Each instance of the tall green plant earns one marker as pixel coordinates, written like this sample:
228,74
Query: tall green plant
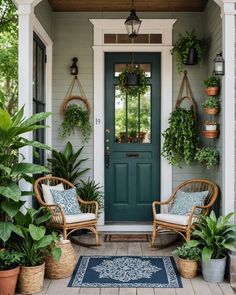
67,164
214,236
12,165
180,138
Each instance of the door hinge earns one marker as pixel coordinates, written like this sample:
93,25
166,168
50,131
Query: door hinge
45,58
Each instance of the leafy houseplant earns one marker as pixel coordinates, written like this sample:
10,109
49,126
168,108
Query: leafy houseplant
188,50
187,260
67,164
208,156
211,105
91,191
215,237
180,138
133,90
76,117
212,84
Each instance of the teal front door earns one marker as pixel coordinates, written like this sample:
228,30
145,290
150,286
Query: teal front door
132,141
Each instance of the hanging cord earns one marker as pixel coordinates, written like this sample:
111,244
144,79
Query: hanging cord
71,87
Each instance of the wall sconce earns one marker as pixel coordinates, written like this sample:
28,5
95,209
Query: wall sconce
74,68
219,65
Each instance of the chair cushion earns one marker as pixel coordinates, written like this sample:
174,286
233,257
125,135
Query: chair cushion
68,200
79,217
185,201
47,195
173,218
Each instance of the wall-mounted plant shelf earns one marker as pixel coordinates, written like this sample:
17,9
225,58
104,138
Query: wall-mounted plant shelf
211,133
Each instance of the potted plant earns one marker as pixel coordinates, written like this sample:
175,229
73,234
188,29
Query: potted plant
67,163
211,125
208,156
188,259
211,105
180,138
212,84
215,237
133,81
35,244
9,271
188,50
76,117
211,129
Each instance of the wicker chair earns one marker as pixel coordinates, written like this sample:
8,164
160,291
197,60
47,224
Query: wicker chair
58,219
182,224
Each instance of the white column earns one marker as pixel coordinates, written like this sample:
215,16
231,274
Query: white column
25,71
228,102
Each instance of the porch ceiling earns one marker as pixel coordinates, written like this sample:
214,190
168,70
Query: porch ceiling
124,5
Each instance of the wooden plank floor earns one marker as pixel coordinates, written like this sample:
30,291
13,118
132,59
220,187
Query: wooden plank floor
196,286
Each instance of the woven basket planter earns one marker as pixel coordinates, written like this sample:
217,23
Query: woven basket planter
187,268
31,278
64,268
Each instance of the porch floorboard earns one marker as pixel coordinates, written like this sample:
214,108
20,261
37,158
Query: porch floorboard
196,286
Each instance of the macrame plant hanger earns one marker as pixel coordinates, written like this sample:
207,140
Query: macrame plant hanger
69,97
185,85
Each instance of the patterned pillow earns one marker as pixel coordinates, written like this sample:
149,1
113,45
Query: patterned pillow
68,200
185,201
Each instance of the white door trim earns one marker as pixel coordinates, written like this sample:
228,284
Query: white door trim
102,26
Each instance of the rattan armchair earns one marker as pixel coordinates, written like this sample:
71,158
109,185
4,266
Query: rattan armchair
182,224
59,219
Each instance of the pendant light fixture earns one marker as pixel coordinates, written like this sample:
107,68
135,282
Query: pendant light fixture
132,23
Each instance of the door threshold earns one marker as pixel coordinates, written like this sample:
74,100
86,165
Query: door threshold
126,227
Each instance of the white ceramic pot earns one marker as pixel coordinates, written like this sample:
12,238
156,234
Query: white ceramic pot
211,127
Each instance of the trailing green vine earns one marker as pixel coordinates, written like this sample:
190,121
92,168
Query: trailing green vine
135,90
180,138
76,117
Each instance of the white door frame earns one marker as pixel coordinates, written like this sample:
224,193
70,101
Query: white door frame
102,26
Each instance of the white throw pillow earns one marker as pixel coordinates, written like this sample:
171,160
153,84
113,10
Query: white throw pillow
47,195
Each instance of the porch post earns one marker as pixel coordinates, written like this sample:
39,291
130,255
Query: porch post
228,101
25,71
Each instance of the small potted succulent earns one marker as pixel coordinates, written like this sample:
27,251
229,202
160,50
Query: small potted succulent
211,105
212,84
208,156
188,259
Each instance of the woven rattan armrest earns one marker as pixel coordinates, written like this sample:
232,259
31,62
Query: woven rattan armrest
161,203
57,213
89,206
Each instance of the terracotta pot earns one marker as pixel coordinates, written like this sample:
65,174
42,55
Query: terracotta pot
187,268
8,279
31,279
212,111
212,91
211,134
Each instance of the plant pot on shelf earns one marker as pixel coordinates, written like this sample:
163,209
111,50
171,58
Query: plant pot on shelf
214,270
8,279
212,91
192,57
211,133
211,127
64,267
187,268
31,279
211,111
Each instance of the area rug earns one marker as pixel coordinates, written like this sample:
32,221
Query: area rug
126,272
127,238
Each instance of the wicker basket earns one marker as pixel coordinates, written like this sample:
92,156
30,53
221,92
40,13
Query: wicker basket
187,268
31,278
65,267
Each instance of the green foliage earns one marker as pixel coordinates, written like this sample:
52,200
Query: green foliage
35,243
180,138
214,236
183,46
12,128
209,156
188,253
211,102
76,117
67,164
8,55
133,91
9,259
91,191
212,81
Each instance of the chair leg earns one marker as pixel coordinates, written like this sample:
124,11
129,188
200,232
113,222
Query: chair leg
188,235
64,234
154,234
96,236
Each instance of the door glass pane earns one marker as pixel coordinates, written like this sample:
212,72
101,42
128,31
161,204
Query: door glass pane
120,116
145,117
133,119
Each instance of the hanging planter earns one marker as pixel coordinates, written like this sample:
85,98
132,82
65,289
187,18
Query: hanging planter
191,59
133,81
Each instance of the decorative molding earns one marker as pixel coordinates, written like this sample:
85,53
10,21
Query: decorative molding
102,26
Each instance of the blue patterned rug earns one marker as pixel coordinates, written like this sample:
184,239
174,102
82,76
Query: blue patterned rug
126,272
